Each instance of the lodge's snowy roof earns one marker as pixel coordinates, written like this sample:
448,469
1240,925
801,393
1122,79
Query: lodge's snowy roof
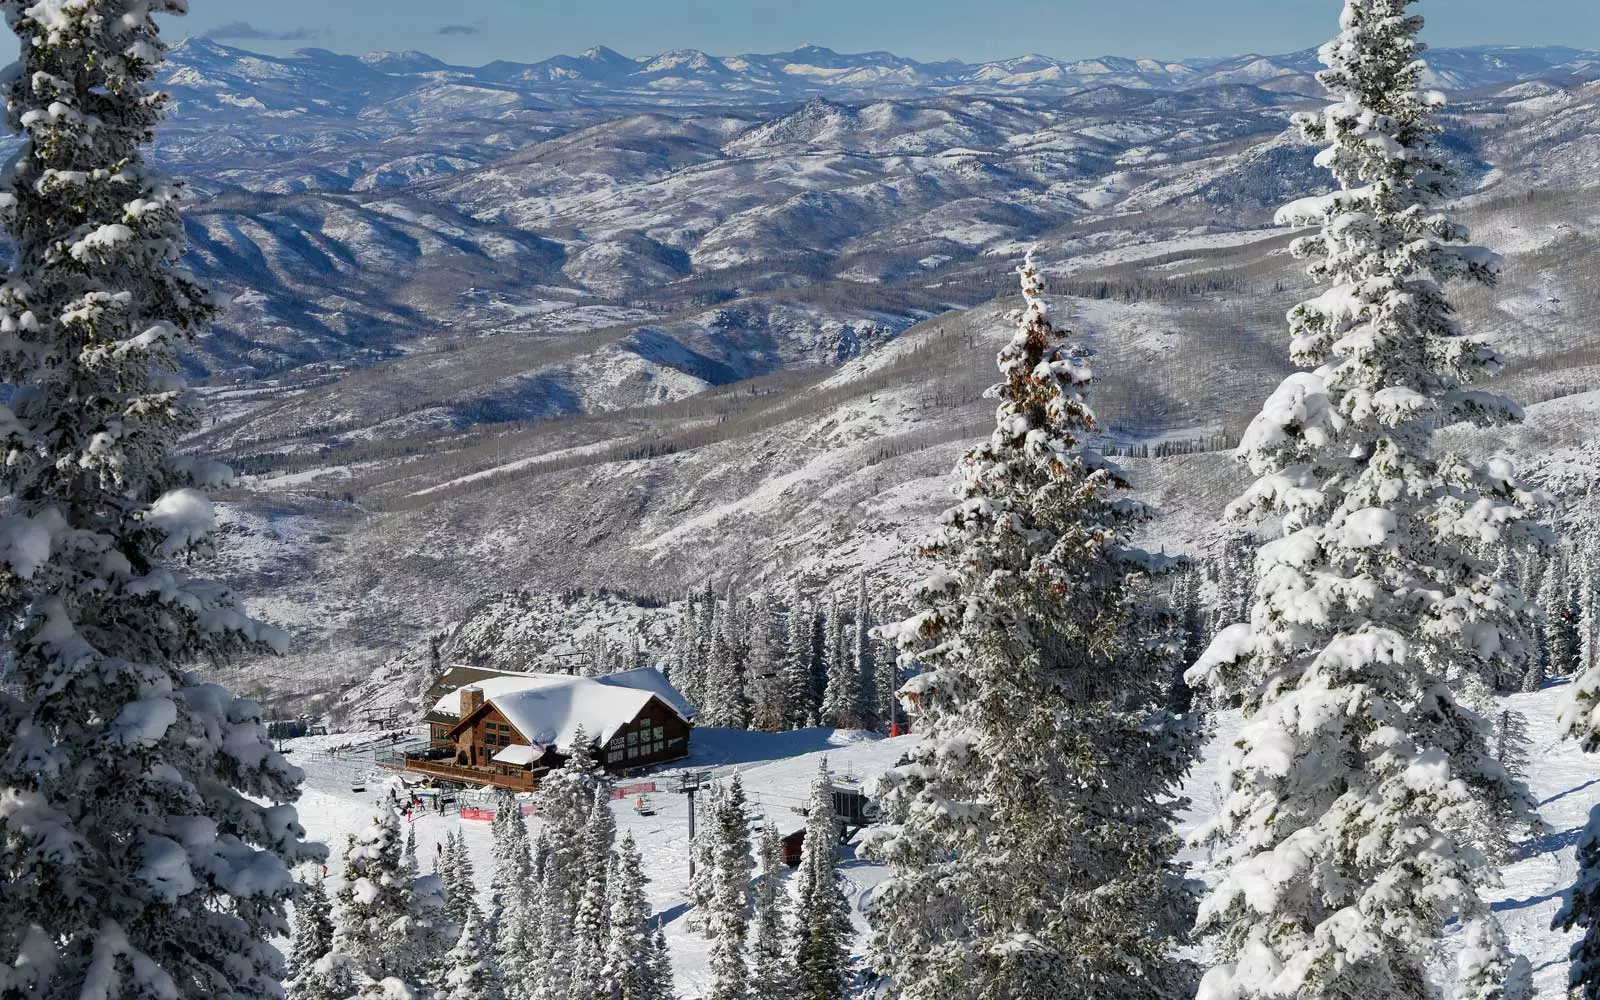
520,756
548,709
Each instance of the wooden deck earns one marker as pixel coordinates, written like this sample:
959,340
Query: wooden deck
443,770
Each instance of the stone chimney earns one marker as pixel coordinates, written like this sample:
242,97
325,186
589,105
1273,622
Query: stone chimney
471,700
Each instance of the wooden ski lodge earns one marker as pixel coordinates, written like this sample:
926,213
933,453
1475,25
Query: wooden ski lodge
506,729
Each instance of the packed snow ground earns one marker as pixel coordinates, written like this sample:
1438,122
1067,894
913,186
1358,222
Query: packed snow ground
777,769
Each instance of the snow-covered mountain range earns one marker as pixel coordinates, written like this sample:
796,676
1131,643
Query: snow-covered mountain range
571,324
412,84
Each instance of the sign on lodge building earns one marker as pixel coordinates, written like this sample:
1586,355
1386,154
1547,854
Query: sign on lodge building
505,729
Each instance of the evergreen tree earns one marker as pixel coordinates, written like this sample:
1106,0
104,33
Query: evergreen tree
509,851
1560,618
1588,609
771,969
332,977
725,703
1361,778
822,918
590,929
313,928
685,664
629,950
408,857
765,671
519,931
801,702
660,985
841,697
567,800
1580,908
1030,837
820,632
460,881
728,920
1511,741
146,826
863,654
470,970
387,922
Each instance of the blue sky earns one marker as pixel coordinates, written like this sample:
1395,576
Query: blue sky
477,31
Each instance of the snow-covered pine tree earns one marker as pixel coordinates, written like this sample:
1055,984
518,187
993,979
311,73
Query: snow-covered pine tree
801,701
684,668
470,972
819,654
387,922
1560,617
509,851
823,934
1588,606
660,985
863,655
332,977
1511,743
725,703
408,856
460,881
728,919
566,803
1362,792
146,831
771,950
519,930
590,929
764,671
1030,833
628,945
1580,720
841,697
313,927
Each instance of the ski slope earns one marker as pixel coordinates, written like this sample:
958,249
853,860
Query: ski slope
777,769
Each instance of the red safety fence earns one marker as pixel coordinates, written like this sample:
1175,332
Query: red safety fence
632,788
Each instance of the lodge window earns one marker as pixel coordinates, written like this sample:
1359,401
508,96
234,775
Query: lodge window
614,757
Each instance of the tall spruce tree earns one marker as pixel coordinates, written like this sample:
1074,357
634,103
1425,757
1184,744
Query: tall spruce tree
590,919
470,969
1580,909
799,697
771,954
460,881
313,927
728,921
841,696
519,928
628,945
661,984
725,705
822,929
1030,835
146,830
389,923
864,656
1362,792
